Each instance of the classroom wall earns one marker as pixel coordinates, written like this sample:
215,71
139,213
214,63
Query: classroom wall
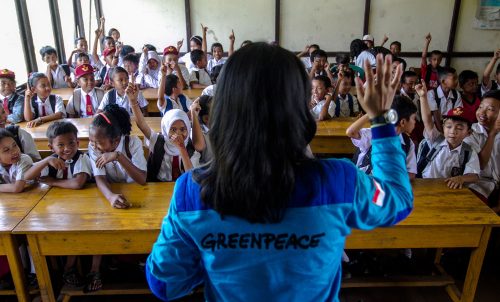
331,24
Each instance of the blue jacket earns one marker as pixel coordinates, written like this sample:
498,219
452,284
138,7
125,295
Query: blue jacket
298,259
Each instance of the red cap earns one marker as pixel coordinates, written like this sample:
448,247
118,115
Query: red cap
83,70
9,74
457,113
108,51
170,50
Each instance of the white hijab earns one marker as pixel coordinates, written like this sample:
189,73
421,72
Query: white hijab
166,122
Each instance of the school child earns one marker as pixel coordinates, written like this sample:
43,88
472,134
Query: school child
171,60
39,105
13,164
408,81
321,105
67,167
11,102
210,90
493,84
308,50
343,64
346,105
445,97
149,67
320,65
395,48
131,65
59,75
110,59
118,96
170,93
362,137
470,94
204,156
446,155
81,47
485,140
125,50
194,43
85,100
429,72
199,77
23,139
169,151
360,52
217,52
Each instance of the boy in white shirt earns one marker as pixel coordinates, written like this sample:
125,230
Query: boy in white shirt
199,77
171,60
346,104
11,102
321,105
59,74
85,100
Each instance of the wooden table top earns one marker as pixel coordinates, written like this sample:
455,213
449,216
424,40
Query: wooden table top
150,94
435,205
15,206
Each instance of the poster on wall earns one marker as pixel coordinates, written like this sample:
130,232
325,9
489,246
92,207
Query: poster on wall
487,14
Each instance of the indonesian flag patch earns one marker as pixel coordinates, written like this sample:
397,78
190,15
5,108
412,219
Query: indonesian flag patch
379,195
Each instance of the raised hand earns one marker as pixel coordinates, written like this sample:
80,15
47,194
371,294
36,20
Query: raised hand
195,108
428,38
204,29
179,44
231,36
421,89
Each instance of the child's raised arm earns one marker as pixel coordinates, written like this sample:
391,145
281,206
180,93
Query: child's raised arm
28,94
489,68
353,130
427,41
232,38
303,52
384,40
98,33
161,87
421,90
204,42
132,93
487,150
198,139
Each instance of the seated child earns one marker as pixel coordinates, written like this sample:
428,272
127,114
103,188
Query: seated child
68,167
494,84
170,94
59,75
149,68
485,140
110,58
23,139
471,95
170,59
308,60
362,137
217,52
408,81
360,52
346,105
39,105
210,90
446,155
125,50
430,72
85,100
195,43
445,97
321,105
116,156
83,58
343,64
204,156
11,102
320,65
81,47
131,65
169,151
13,164
199,77
118,96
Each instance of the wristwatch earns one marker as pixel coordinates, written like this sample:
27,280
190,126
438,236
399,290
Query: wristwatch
389,117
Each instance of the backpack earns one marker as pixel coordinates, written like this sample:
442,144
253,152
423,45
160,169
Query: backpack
170,105
52,100
112,96
77,95
66,69
349,101
367,159
102,74
14,130
12,101
53,171
426,154
197,74
438,99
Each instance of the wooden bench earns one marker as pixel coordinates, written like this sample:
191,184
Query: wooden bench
13,208
442,218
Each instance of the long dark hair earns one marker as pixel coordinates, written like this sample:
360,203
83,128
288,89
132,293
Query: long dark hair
115,121
260,126
357,47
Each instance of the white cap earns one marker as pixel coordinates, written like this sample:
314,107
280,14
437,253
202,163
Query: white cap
368,38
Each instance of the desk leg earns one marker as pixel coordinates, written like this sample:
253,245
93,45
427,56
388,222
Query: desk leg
16,267
42,270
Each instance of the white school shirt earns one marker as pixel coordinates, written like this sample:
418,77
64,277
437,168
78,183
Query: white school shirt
307,62
165,173
344,105
58,78
29,147
151,78
416,101
204,77
489,177
186,59
176,104
184,72
446,102
114,171
123,101
82,165
365,54
365,141
209,90
48,109
446,159
485,89
316,110
212,63
70,109
16,171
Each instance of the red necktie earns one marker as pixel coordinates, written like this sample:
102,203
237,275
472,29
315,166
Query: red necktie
44,113
6,106
88,105
65,173
176,171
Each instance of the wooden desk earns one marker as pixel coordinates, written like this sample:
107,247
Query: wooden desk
330,136
150,94
442,218
89,225
13,208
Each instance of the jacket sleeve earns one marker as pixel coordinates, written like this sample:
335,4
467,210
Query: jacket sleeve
385,198
174,268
